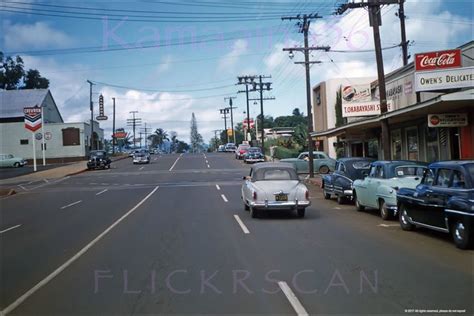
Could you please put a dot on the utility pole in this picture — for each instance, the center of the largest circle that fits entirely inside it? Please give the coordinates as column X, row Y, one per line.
column 375, row 19
column 113, row 128
column 134, row 122
column 92, row 114
column 224, row 112
column 145, row 132
column 304, row 23
column 404, row 43
column 260, row 86
column 231, row 116
column 216, row 142
column 246, row 80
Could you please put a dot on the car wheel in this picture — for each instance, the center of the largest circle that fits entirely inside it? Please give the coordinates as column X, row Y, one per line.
column 403, row 218
column 359, row 206
column 340, row 200
column 462, row 235
column 384, row 212
column 253, row 212
column 246, row 207
column 16, row 165
column 324, row 170
column 301, row 212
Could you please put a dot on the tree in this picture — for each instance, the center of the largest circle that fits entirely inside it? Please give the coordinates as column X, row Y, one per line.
column 34, row 80
column 181, row 146
column 195, row 137
column 267, row 121
column 158, row 137
column 296, row 112
column 300, row 136
column 338, row 108
column 11, row 72
column 173, row 140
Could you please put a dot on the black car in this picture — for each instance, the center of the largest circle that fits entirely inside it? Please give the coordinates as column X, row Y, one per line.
column 98, row 159
column 346, row 171
column 443, row 201
column 253, row 154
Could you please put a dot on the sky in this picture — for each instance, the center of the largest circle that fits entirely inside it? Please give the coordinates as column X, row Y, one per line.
column 168, row 59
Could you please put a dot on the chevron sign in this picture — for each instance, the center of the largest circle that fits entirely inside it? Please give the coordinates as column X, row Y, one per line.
column 32, row 118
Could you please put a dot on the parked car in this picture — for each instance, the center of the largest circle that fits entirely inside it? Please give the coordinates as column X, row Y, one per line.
column 340, row 182
column 8, row 160
column 379, row 189
column 443, row 201
column 141, row 157
column 271, row 186
column 230, row 147
column 221, row 148
column 322, row 162
column 98, row 159
column 241, row 150
column 254, row 154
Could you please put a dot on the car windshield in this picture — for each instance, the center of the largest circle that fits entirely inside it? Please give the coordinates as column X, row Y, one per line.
column 409, row 171
column 98, row 154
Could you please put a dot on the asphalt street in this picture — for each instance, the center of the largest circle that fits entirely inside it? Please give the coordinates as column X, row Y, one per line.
column 172, row 237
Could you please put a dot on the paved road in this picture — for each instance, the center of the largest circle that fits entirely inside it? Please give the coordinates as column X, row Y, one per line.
column 7, row 173
column 172, row 237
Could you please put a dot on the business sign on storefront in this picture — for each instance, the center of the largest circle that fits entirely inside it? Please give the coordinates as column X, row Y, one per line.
column 438, row 60
column 447, row 120
column 444, row 79
column 369, row 108
column 356, row 93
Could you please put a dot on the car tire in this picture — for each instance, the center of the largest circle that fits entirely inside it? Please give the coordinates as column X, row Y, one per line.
column 462, row 235
column 359, row 207
column 301, row 212
column 253, row 212
column 384, row 212
column 16, row 165
column 403, row 219
column 246, row 207
column 324, row 170
column 340, row 199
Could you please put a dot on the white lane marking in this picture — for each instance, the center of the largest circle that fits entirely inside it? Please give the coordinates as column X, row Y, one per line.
column 22, row 187
column 208, row 166
column 72, row 204
column 242, row 225
column 141, row 168
column 388, row 225
column 299, row 309
column 5, row 230
column 336, row 208
column 103, row 191
column 155, row 159
column 218, row 187
column 56, row 272
column 46, row 180
column 175, row 162
column 207, row 162
column 224, row 198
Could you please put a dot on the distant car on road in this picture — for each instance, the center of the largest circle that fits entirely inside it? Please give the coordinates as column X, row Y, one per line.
column 98, row 159
column 140, row 158
column 379, row 189
column 340, row 182
column 253, row 155
column 230, row 147
column 241, row 150
column 8, row 160
column 221, row 148
column 443, row 201
column 272, row 186
column 322, row 162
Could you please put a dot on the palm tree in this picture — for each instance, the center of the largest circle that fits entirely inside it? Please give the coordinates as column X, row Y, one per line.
column 158, row 137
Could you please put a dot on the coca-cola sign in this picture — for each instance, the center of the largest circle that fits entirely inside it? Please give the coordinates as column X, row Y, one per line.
column 438, row 60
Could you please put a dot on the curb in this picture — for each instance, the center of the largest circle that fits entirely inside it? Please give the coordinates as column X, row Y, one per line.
column 85, row 169
column 7, row 192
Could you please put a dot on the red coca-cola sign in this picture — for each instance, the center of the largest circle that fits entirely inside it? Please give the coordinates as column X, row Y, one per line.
column 438, row 60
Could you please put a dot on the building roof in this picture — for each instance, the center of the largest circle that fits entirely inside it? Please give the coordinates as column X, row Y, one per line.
column 12, row 102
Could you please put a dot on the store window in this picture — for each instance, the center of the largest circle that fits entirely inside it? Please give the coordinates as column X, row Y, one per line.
column 373, row 148
column 71, row 136
column 412, row 143
column 432, row 144
column 23, row 141
column 396, row 145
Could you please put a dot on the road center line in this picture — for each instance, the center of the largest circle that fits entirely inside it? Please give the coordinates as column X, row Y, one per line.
column 141, row 168
column 56, row 272
column 72, row 204
column 242, row 225
column 103, row 191
column 208, row 166
column 218, row 187
column 13, row 227
column 175, row 162
column 299, row 309
column 224, row 198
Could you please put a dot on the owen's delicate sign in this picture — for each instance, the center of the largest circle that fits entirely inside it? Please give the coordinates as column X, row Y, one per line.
column 438, row 60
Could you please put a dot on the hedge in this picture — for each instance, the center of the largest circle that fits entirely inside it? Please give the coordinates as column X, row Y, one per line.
column 282, row 153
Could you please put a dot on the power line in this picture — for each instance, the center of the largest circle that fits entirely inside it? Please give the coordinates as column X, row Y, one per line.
column 158, row 90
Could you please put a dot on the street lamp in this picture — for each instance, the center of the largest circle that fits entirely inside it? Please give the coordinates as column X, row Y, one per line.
column 291, row 54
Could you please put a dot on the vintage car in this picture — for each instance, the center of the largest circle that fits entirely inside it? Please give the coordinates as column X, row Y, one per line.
column 339, row 183
column 98, row 159
column 141, row 157
column 379, row 189
column 443, row 201
column 8, row 160
column 230, row 148
column 254, row 154
column 272, row 186
column 241, row 150
column 322, row 163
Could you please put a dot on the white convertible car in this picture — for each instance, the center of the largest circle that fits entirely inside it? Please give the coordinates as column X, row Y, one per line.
column 273, row 186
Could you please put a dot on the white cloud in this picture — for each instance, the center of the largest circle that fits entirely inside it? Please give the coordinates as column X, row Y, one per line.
column 38, row 35
column 228, row 61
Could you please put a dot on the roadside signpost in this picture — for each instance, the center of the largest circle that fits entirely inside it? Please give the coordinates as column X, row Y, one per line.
column 33, row 122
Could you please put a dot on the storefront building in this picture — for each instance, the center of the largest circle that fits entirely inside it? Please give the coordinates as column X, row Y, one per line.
column 430, row 115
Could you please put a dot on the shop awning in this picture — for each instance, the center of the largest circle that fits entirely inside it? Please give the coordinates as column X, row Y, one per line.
column 450, row 102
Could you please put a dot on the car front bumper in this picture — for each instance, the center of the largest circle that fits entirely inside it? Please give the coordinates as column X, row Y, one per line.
column 255, row 160
column 279, row 205
column 141, row 161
